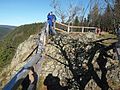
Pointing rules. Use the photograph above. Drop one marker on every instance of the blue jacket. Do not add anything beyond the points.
(51, 19)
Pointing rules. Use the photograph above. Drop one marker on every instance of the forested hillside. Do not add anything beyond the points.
(5, 29)
(13, 39)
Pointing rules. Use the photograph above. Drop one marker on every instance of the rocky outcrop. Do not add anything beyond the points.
(57, 64)
(22, 53)
(20, 58)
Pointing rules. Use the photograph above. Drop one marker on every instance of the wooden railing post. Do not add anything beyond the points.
(68, 28)
(118, 48)
(47, 29)
(54, 25)
(82, 29)
(96, 30)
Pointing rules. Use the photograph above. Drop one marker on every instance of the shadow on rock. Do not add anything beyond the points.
(53, 83)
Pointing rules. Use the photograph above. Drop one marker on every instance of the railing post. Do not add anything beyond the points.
(68, 28)
(54, 25)
(96, 30)
(47, 29)
(118, 46)
(82, 29)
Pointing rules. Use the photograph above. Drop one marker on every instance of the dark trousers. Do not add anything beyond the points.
(51, 31)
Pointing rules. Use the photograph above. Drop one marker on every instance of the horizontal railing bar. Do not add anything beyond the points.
(75, 26)
(14, 83)
(62, 24)
(19, 77)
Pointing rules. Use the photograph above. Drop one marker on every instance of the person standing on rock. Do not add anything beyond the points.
(51, 21)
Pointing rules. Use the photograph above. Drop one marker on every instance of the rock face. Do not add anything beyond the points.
(20, 58)
(22, 53)
(66, 71)
(56, 63)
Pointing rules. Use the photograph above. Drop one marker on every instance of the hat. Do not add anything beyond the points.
(51, 13)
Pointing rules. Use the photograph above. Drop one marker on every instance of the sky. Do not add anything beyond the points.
(20, 12)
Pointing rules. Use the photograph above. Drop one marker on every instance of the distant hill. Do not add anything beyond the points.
(11, 41)
(5, 29)
(8, 26)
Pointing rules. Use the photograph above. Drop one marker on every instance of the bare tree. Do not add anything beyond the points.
(69, 13)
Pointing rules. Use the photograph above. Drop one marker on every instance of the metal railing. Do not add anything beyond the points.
(16, 81)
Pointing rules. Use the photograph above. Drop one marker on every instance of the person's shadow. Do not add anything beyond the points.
(53, 83)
